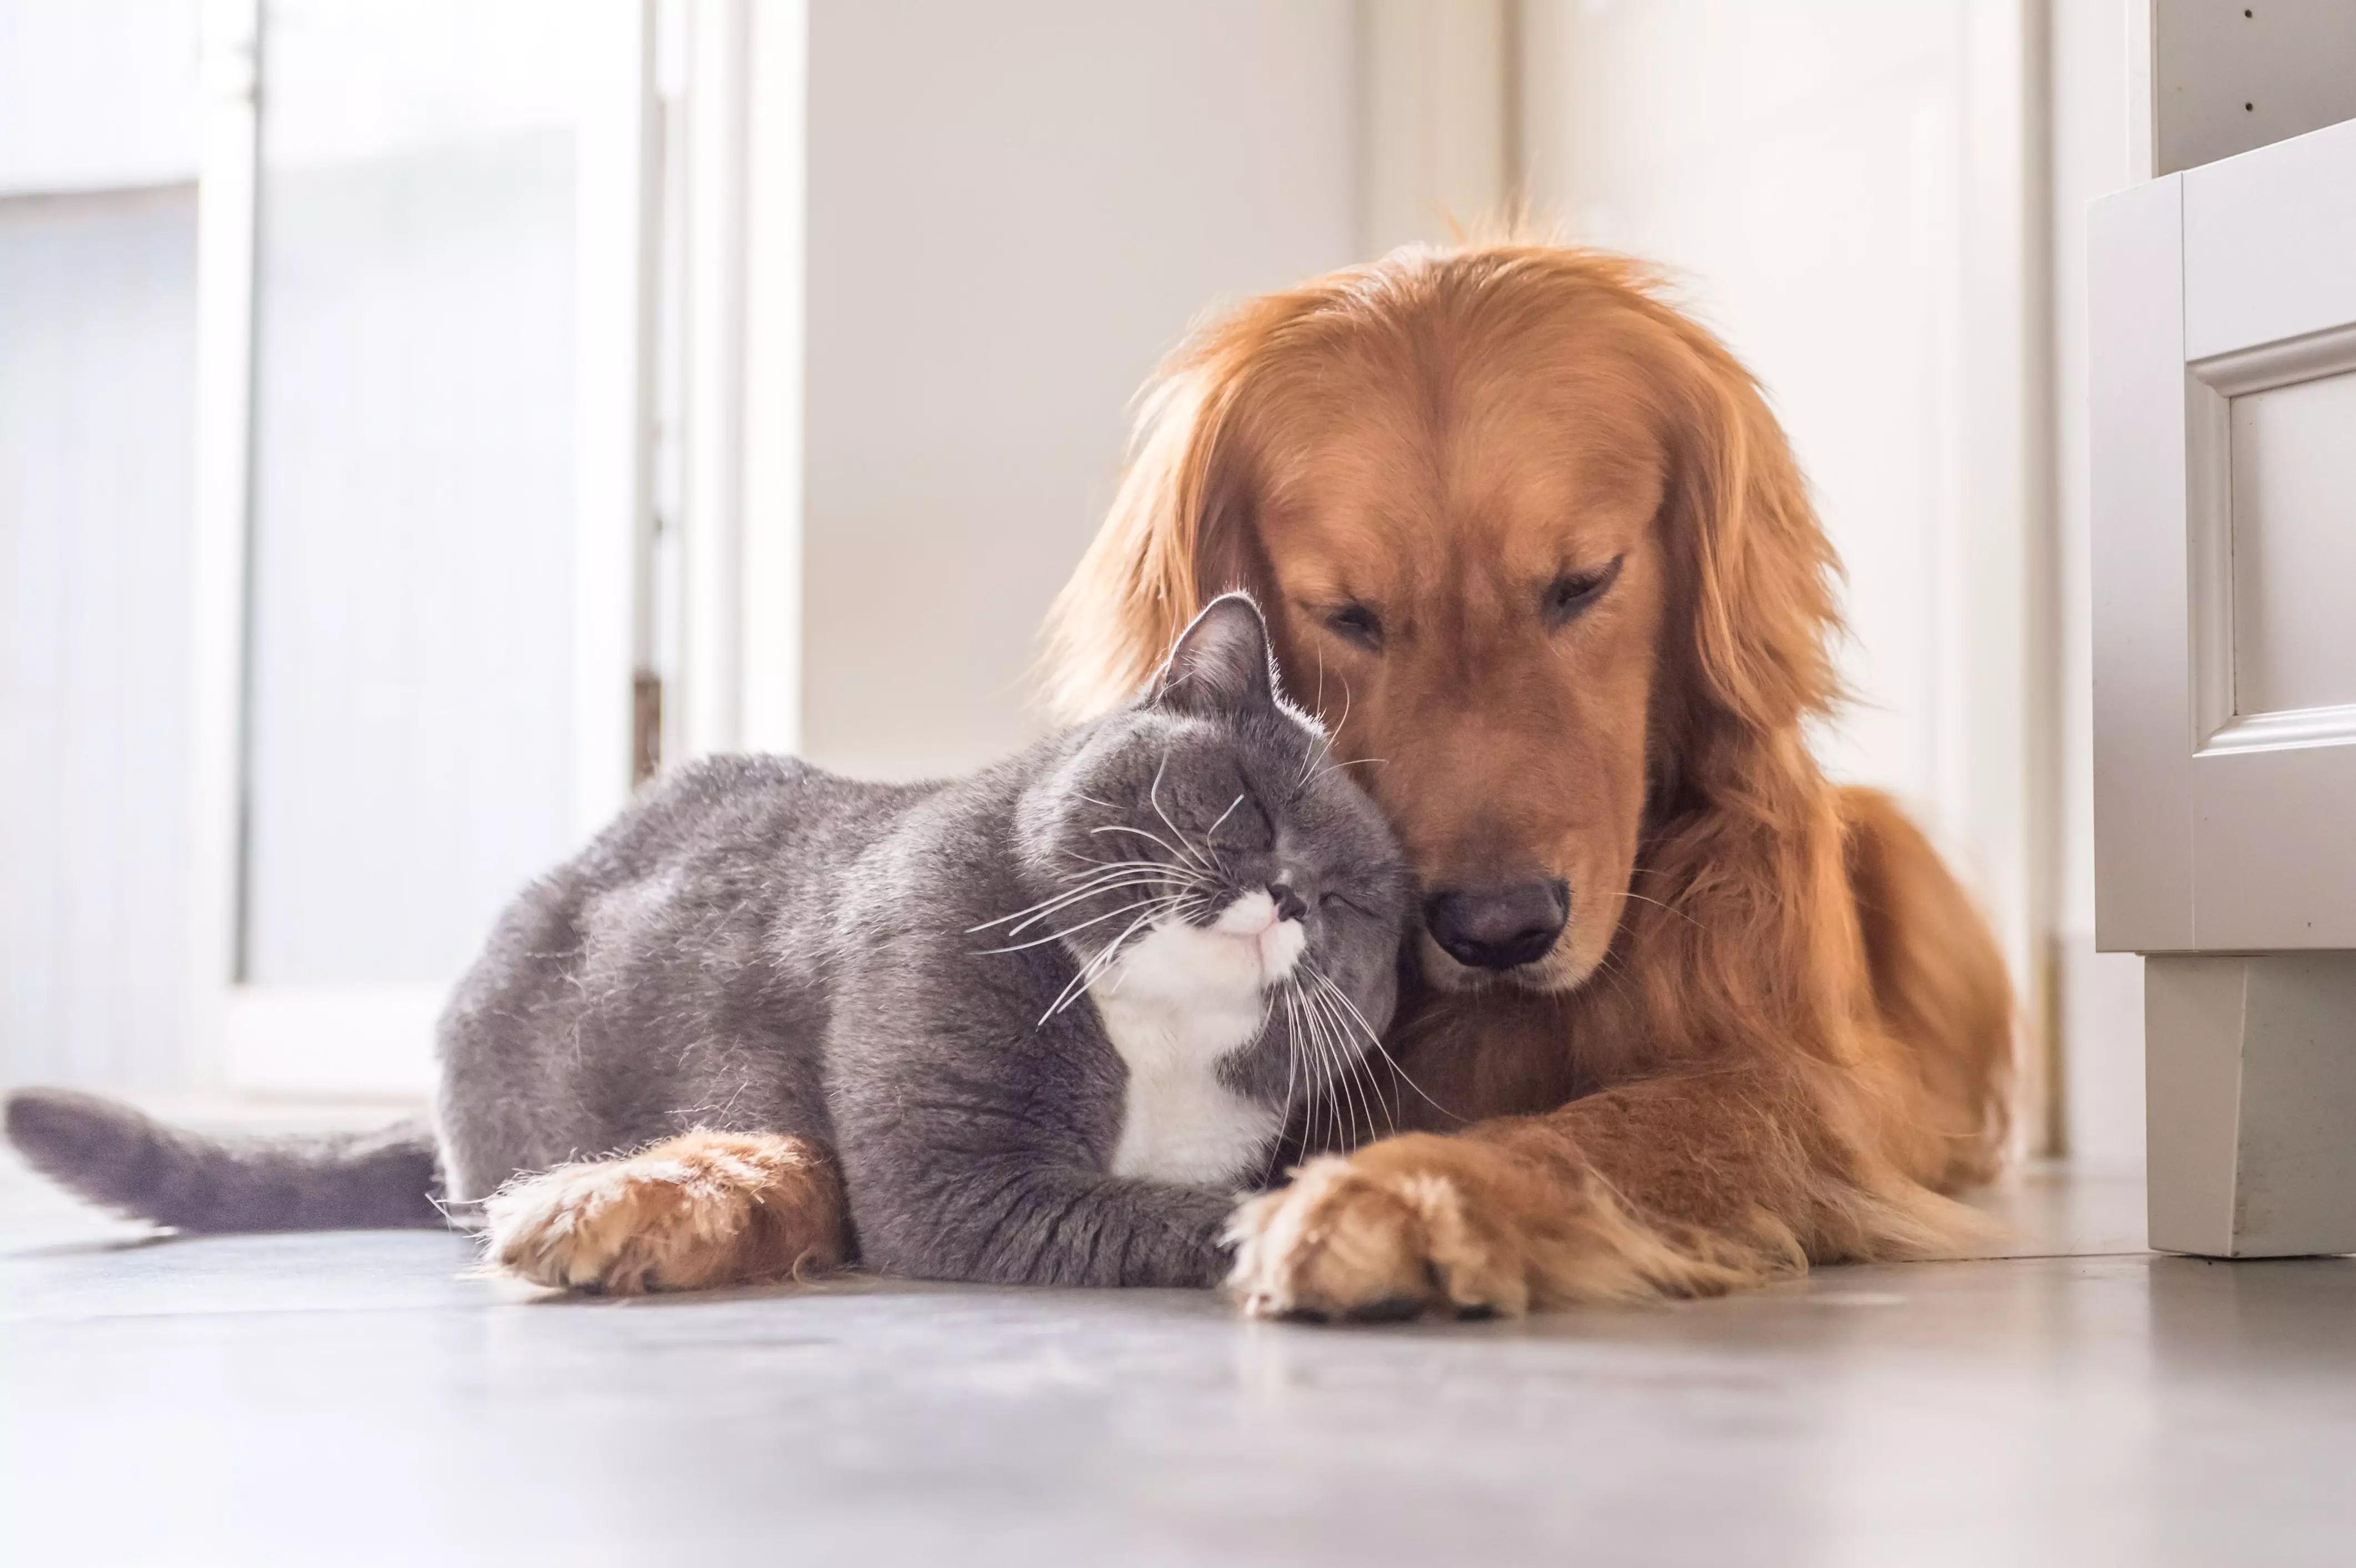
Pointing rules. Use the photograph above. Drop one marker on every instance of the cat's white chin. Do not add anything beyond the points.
(1180, 1000)
(1273, 944)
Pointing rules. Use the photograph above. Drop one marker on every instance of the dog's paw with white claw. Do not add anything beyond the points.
(1422, 1225)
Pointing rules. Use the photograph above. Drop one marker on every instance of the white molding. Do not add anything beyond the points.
(614, 326)
(2290, 728)
(1998, 750)
(2138, 471)
(775, 224)
(2219, 725)
(218, 558)
(2208, 556)
(2142, 71)
(2267, 365)
(717, 115)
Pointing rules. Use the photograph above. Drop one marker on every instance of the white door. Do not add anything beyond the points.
(423, 500)
(2223, 322)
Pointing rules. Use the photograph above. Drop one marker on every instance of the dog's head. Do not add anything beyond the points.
(1529, 539)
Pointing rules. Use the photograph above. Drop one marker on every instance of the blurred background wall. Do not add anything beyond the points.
(417, 421)
(1015, 209)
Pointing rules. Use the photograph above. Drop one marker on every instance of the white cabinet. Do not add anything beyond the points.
(2224, 323)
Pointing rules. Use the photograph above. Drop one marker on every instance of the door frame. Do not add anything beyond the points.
(377, 1039)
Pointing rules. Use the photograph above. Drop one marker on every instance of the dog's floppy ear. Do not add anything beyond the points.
(1221, 663)
(1760, 571)
(1177, 531)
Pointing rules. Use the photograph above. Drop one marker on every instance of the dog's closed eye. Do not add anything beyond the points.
(1570, 593)
(1357, 622)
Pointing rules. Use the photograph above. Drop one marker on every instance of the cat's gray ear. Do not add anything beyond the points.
(1221, 662)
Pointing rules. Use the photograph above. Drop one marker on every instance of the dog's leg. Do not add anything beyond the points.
(697, 1210)
(1672, 1187)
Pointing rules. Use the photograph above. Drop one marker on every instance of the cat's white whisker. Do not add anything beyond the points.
(1079, 983)
(1345, 1082)
(1344, 1013)
(1375, 1043)
(1150, 836)
(1331, 732)
(1061, 933)
(1112, 878)
(1060, 905)
(1220, 821)
(1297, 1042)
(1311, 1064)
(1296, 1006)
(1267, 1012)
(1346, 1061)
(1029, 910)
(1217, 823)
(1306, 1025)
(1330, 767)
(1104, 866)
(1153, 797)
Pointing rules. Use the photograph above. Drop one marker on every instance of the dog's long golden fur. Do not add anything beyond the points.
(1773, 1028)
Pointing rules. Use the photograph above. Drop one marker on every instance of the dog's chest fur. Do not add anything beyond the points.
(1174, 1006)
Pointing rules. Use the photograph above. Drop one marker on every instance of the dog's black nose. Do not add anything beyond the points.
(1289, 904)
(1498, 928)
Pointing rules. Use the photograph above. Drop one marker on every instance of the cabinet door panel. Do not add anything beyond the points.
(2225, 491)
(2293, 458)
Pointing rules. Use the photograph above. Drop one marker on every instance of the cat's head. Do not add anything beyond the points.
(1205, 849)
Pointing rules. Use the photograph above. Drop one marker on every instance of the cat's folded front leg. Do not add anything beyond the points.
(1006, 1222)
(691, 1212)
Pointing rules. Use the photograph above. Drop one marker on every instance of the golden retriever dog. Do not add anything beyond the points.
(1685, 1014)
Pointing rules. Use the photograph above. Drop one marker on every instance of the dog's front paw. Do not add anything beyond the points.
(1421, 1224)
(1397, 1236)
(695, 1211)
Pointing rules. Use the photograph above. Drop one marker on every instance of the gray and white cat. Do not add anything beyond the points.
(1048, 1019)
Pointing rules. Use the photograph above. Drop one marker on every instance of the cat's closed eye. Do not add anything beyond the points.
(1242, 828)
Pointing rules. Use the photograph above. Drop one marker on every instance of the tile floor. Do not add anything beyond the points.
(357, 1399)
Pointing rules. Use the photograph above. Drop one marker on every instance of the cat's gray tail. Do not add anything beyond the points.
(117, 1157)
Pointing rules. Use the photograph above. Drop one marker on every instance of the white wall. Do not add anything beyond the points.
(2102, 993)
(1013, 210)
